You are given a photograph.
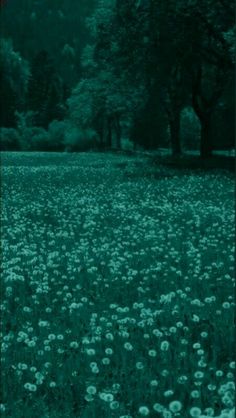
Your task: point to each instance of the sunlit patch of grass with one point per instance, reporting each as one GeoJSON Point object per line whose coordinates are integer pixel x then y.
{"type": "Point", "coordinates": [117, 291]}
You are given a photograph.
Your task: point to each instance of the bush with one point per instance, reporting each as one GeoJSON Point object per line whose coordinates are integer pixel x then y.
{"type": "Point", "coordinates": [127, 145]}
{"type": "Point", "coordinates": [77, 139]}
{"type": "Point", "coordinates": [56, 131]}
{"type": "Point", "coordinates": [41, 140]}
{"type": "Point", "coordinates": [34, 139]}
{"type": "Point", "coordinates": [9, 139]}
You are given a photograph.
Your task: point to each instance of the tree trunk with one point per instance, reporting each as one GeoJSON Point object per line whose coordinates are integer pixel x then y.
{"type": "Point", "coordinates": [118, 133]}
{"type": "Point", "coordinates": [109, 132]}
{"type": "Point", "coordinates": [175, 135]}
{"type": "Point", "coordinates": [206, 143]}
{"type": "Point", "coordinates": [100, 128]}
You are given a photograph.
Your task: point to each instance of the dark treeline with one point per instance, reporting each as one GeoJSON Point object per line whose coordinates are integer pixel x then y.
{"type": "Point", "coordinates": [143, 74]}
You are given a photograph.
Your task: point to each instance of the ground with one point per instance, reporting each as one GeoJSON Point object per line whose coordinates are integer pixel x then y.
{"type": "Point", "coordinates": [117, 290]}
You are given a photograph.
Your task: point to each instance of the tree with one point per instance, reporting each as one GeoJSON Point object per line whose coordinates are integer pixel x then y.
{"type": "Point", "coordinates": [36, 25]}
{"type": "Point", "coordinates": [211, 61]}
{"type": "Point", "coordinates": [106, 95]}
{"type": "Point", "coordinates": [45, 91]}
{"type": "Point", "coordinates": [14, 77]}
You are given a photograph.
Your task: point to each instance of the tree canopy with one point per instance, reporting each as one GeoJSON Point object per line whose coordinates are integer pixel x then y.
{"type": "Point", "coordinates": [133, 63]}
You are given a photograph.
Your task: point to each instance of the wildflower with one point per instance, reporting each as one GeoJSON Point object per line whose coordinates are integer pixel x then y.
{"type": "Point", "coordinates": [139, 365]}
{"type": "Point", "coordinates": [109, 336]}
{"type": "Point", "coordinates": [43, 324]}
{"type": "Point", "coordinates": [114, 405]}
{"type": "Point", "coordinates": [154, 383]}
{"type": "Point", "coordinates": [91, 352]}
{"type": "Point", "coordinates": [168, 393]}
{"type": "Point", "coordinates": [165, 346]}
{"type": "Point", "coordinates": [116, 387]}
{"type": "Point", "coordinates": [227, 400]}
{"type": "Point", "coordinates": [125, 416]}
{"type": "Point", "coordinates": [195, 394]}
{"type": "Point", "coordinates": [219, 373]}
{"type": "Point", "coordinates": [196, 346]}
{"type": "Point", "coordinates": [175, 406]}
{"type": "Point", "coordinates": [91, 390]}
{"type": "Point", "coordinates": [2, 407]}
{"type": "Point", "coordinates": [52, 384]}
{"type": "Point", "coordinates": [158, 407]}
{"type": "Point", "coordinates": [108, 397]}
{"type": "Point", "coordinates": [209, 412]}
{"type": "Point", "coordinates": [30, 387]}
{"type": "Point", "coordinates": [22, 366]}
{"type": "Point", "coordinates": [198, 375]}
{"type": "Point", "coordinates": [51, 337]}
{"type": "Point", "coordinates": [144, 411]}
{"type": "Point", "coordinates": [47, 348]}
{"type": "Point", "coordinates": [128, 346]}
{"type": "Point", "coordinates": [31, 344]}
{"type": "Point", "coordinates": [74, 344]}
{"type": "Point", "coordinates": [211, 387]}
{"type": "Point", "coordinates": [93, 364]}
{"type": "Point", "coordinates": [165, 373]}
{"type": "Point", "coordinates": [230, 385]}
{"type": "Point", "coordinates": [173, 330]}
{"type": "Point", "coordinates": [157, 333]}
{"type": "Point", "coordinates": [202, 363]}
{"type": "Point", "coordinates": [152, 353]}
{"type": "Point", "coordinates": [109, 351]}
{"type": "Point", "coordinates": [88, 397]}
{"type": "Point", "coordinates": [27, 309]}
{"type": "Point", "coordinates": [106, 361]}
{"type": "Point", "coordinates": [195, 412]}
{"type": "Point", "coordinates": [39, 376]}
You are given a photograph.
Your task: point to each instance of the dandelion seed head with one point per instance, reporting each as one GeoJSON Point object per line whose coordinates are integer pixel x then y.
{"type": "Point", "coordinates": [144, 411]}
{"type": "Point", "coordinates": [195, 412]}
{"type": "Point", "coordinates": [91, 390]}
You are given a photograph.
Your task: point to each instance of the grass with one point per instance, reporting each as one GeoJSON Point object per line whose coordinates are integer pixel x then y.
{"type": "Point", "coordinates": [117, 292]}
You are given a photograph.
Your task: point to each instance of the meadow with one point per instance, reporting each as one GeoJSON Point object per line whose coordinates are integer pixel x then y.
{"type": "Point", "coordinates": [117, 291]}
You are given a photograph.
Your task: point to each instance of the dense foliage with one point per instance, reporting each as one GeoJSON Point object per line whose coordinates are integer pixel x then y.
{"type": "Point", "coordinates": [125, 70]}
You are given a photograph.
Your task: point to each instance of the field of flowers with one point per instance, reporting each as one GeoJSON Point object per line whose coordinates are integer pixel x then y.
{"type": "Point", "coordinates": [117, 293]}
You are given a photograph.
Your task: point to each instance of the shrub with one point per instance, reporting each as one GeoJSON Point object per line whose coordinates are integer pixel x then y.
{"type": "Point", "coordinates": [56, 131]}
{"type": "Point", "coordinates": [37, 138]}
{"type": "Point", "coordinates": [34, 139]}
{"type": "Point", "coordinates": [9, 139]}
{"type": "Point", "coordinates": [77, 139]}
{"type": "Point", "coordinates": [40, 140]}
{"type": "Point", "coordinates": [127, 145]}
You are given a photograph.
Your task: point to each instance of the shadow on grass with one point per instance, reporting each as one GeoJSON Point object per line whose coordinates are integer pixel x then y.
{"type": "Point", "coordinates": [187, 162]}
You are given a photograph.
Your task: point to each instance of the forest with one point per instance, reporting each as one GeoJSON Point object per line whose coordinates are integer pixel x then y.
{"type": "Point", "coordinates": [117, 74]}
